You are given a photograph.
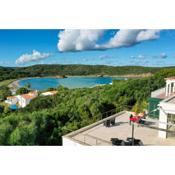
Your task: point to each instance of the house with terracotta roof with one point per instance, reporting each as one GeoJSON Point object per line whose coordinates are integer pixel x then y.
{"type": "Point", "coordinates": [11, 100]}
{"type": "Point", "coordinates": [25, 99]}
{"type": "Point", "coordinates": [162, 106]}
{"type": "Point", "coordinates": [22, 100]}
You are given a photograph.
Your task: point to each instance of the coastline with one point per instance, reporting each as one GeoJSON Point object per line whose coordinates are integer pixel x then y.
{"type": "Point", "coordinates": [15, 84]}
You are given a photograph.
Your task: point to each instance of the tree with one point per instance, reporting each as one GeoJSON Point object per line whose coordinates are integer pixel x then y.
{"type": "Point", "coordinates": [22, 90]}
{"type": "Point", "coordinates": [1, 109]}
{"type": "Point", "coordinates": [28, 86]}
{"type": "Point", "coordinates": [5, 131]}
{"type": "Point", "coordinates": [46, 119]}
{"type": "Point", "coordinates": [4, 108]}
{"type": "Point", "coordinates": [51, 89]}
{"type": "Point", "coordinates": [23, 135]}
{"type": "Point", "coordinates": [4, 92]}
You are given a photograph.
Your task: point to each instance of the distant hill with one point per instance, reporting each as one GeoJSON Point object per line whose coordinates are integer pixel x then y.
{"type": "Point", "coordinates": [56, 69]}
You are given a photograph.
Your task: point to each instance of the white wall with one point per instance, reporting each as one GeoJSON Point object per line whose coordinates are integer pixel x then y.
{"type": "Point", "coordinates": [46, 94]}
{"type": "Point", "coordinates": [162, 118]}
{"type": "Point", "coordinates": [23, 102]}
{"type": "Point", "coordinates": [69, 142]}
{"type": "Point", "coordinates": [11, 101]}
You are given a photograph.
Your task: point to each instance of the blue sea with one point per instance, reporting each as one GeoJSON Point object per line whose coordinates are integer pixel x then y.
{"type": "Point", "coordinates": [70, 82]}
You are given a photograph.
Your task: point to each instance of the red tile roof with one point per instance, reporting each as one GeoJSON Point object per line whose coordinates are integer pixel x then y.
{"type": "Point", "coordinates": [11, 97]}
{"type": "Point", "coordinates": [28, 96]}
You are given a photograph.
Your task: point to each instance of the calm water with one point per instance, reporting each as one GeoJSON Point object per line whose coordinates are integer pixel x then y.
{"type": "Point", "coordinates": [70, 82]}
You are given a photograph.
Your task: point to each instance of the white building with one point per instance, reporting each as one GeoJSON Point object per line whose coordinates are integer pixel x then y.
{"type": "Point", "coordinates": [166, 107]}
{"type": "Point", "coordinates": [49, 93]}
{"type": "Point", "coordinates": [11, 100]}
{"type": "Point", "coordinates": [22, 100]}
{"type": "Point", "coordinates": [25, 99]}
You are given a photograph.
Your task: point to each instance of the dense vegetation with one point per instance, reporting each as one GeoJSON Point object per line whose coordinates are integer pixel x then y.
{"type": "Point", "coordinates": [4, 92]}
{"type": "Point", "coordinates": [46, 119]}
{"type": "Point", "coordinates": [22, 90]}
{"type": "Point", "coordinates": [52, 70]}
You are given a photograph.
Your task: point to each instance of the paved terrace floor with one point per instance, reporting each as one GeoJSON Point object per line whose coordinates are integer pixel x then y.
{"type": "Point", "coordinates": [101, 135]}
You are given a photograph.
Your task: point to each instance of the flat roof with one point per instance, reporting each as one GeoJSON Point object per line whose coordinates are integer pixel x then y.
{"type": "Point", "coordinates": [100, 135]}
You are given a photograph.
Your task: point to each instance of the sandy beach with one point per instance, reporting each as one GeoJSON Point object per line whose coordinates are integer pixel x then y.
{"type": "Point", "coordinates": [14, 85]}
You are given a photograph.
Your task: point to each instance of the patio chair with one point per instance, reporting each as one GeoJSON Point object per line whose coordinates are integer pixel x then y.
{"type": "Point", "coordinates": [107, 123]}
{"type": "Point", "coordinates": [137, 142]}
{"type": "Point", "coordinates": [117, 142]}
{"type": "Point", "coordinates": [113, 122]}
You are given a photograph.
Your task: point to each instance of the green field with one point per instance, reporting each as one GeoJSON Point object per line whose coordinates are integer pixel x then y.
{"type": "Point", "coordinates": [6, 82]}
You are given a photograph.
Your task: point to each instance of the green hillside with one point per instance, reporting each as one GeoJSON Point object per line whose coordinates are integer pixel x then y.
{"type": "Point", "coordinates": [53, 70]}
{"type": "Point", "coordinates": [46, 119]}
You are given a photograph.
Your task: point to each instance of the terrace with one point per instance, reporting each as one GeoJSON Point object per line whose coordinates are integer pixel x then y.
{"type": "Point", "coordinates": [100, 135]}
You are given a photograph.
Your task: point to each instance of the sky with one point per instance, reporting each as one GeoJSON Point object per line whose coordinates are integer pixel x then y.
{"type": "Point", "coordinates": [118, 47]}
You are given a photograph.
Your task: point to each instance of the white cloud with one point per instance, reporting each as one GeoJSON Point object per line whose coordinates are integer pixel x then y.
{"type": "Point", "coordinates": [79, 40]}
{"type": "Point", "coordinates": [123, 38]}
{"type": "Point", "coordinates": [35, 56]}
{"type": "Point", "coordinates": [148, 35]}
{"type": "Point", "coordinates": [126, 38]}
{"type": "Point", "coordinates": [163, 55]}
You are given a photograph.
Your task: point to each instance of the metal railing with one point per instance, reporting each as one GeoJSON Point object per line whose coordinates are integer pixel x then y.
{"type": "Point", "coordinates": [94, 140]}
{"type": "Point", "coordinates": [114, 115]}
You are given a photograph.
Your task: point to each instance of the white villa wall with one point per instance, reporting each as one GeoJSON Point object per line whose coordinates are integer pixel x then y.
{"type": "Point", "coordinates": [69, 142]}
{"type": "Point", "coordinates": [170, 86]}
{"type": "Point", "coordinates": [163, 120]}
{"type": "Point", "coordinates": [22, 101]}
{"type": "Point", "coordinates": [11, 101]}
